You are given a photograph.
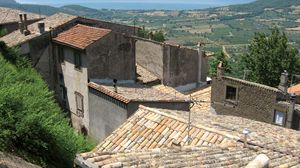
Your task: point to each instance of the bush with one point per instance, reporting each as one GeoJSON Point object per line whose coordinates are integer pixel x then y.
{"type": "Point", "coordinates": [31, 123]}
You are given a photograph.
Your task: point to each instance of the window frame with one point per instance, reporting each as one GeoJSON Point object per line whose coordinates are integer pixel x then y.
{"type": "Point", "coordinates": [61, 54]}
{"type": "Point", "coordinates": [275, 117]}
{"type": "Point", "coordinates": [77, 59]}
{"type": "Point", "coordinates": [236, 93]}
{"type": "Point", "coordinates": [79, 97]}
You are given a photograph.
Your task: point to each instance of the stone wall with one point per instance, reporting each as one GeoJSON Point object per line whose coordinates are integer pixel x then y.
{"type": "Point", "coordinates": [180, 66]}
{"type": "Point", "coordinates": [118, 28]}
{"type": "Point", "coordinates": [12, 26]}
{"type": "Point", "coordinates": [75, 80]}
{"type": "Point", "coordinates": [175, 66]}
{"type": "Point", "coordinates": [253, 101]}
{"type": "Point", "coordinates": [106, 115]}
{"type": "Point", "coordinates": [112, 57]}
{"type": "Point", "coordinates": [149, 55]}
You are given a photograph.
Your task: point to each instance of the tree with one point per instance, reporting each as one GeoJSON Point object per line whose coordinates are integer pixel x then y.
{"type": "Point", "coordinates": [268, 56]}
{"type": "Point", "coordinates": [216, 60]}
{"type": "Point", "coordinates": [156, 36]}
{"type": "Point", "coordinates": [159, 36]}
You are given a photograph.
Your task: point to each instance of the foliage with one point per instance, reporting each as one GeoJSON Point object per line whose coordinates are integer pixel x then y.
{"type": "Point", "coordinates": [268, 56]}
{"type": "Point", "coordinates": [31, 123]}
{"type": "Point", "coordinates": [3, 32]}
{"type": "Point", "coordinates": [156, 36]}
{"type": "Point", "coordinates": [214, 62]}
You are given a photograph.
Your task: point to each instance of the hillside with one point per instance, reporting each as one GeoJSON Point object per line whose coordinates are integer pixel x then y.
{"type": "Point", "coordinates": [31, 122]}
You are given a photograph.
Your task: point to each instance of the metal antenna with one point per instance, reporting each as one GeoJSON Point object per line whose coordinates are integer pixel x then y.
{"type": "Point", "coordinates": [189, 138]}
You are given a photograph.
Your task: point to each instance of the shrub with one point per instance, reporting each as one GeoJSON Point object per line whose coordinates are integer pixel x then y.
{"type": "Point", "coordinates": [31, 123]}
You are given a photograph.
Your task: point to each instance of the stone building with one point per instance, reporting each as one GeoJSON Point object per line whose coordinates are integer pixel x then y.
{"type": "Point", "coordinates": [170, 138]}
{"type": "Point", "coordinates": [68, 51]}
{"type": "Point", "coordinates": [10, 19]}
{"type": "Point", "coordinates": [83, 54]}
{"type": "Point", "coordinates": [110, 106]}
{"type": "Point", "coordinates": [175, 65]}
{"type": "Point", "coordinates": [231, 96]}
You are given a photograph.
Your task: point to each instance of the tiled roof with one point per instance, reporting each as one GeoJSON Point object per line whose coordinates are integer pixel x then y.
{"type": "Point", "coordinates": [16, 38]}
{"type": "Point", "coordinates": [188, 156]}
{"type": "Point", "coordinates": [136, 93]}
{"type": "Point", "coordinates": [251, 84]}
{"type": "Point", "coordinates": [81, 36]}
{"type": "Point", "coordinates": [145, 76]}
{"type": "Point", "coordinates": [201, 99]}
{"type": "Point", "coordinates": [135, 143]}
{"type": "Point", "coordinates": [9, 15]}
{"type": "Point", "coordinates": [149, 129]}
{"type": "Point", "coordinates": [262, 134]}
{"type": "Point", "coordinates": [295, 89]}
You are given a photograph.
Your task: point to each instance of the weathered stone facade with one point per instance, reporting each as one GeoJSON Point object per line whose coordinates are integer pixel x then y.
{"type": "Point", "coordinates": [107, 113]}
{"type": "Point", "coordinates": [251, 100]}
{"type": "Point", "coordinates": [175, 66]}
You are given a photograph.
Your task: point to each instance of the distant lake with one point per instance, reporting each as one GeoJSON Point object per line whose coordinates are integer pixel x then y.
{"type": "Point", "coordinates": [143, 6]}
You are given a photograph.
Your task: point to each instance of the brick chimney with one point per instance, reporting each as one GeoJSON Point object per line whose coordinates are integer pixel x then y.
{"type": "Point", "coordinates": [26, 31]}
{"type": "Point", "coordinates": [283, 86]}
{"type": "Point", "coordinates": [220, 70]}
{"type": "Point", "coordinates": [21, 23]}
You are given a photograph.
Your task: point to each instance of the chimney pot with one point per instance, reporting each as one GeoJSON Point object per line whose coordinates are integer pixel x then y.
{"type": "Point", "coordinates": [220, 70]}
{"type": "Point", "coordinates": [21, 23]}
{"type": "Point", "coordinates": [26, 31]}
{"type": "Point", "coordinates": [283, 86]}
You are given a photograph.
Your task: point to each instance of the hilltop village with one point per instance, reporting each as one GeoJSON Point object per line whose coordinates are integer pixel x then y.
{"type": "Point", "coordinates": [152, 104]}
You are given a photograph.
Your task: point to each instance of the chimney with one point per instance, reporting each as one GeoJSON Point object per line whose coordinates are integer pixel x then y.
{"type": "Point", "coordinates": [41, 26]}
{"type": "Point", "coordinates": [26, 31]}
{"type": "Point", "coordinates": [291, 110]}
{"type": "Point", "coordinates": [261, 161]}
{"type": "Point", "coordinates": [115, 85]}
{"type": "Point", "coordinates": [21, 23]}
{"type": "Point", "coordinates": [220, 70]}
{"type": "Point", "coordinates": [283, 86]}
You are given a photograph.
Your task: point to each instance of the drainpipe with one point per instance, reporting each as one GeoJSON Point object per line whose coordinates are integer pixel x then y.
{"type": "Point", "coordinates": [200, 60]}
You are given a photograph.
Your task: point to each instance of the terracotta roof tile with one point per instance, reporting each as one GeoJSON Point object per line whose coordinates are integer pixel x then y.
{"type": "Point", "coordinates": [16, 38]}
{"type": "Point", "coordinates": [220, 138]}
{"type": "Point", "coordinates": [81, 36]}
{"type": "Point", "coordinates": [137, 93]}
{"type": "Point", "coordinates": [9, 15]}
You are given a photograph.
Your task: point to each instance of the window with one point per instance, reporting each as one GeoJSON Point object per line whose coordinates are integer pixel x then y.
{"type": "Point", "coordinates": [231, 93]}
{"type": "Point", "coordinates": [77, 59]}
{"type": "Point", "coordinates": [61, 54]}
{"type": "Point", "coordinates": [63, 92]}
{"type": "Point", "coordinates": [278, 118]}
{"type": "Point", "coordinates": [61, 78]}
{"type": "Point", "coordinates": [63, 96]}
{"type": "Point", "coordinates": [79, 104]}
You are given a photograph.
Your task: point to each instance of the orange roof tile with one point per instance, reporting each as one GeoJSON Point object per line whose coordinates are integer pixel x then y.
{"type": "Point", "coordinates": [81, 36]}
{"type": "Point", "coordinates": [295, 89]}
